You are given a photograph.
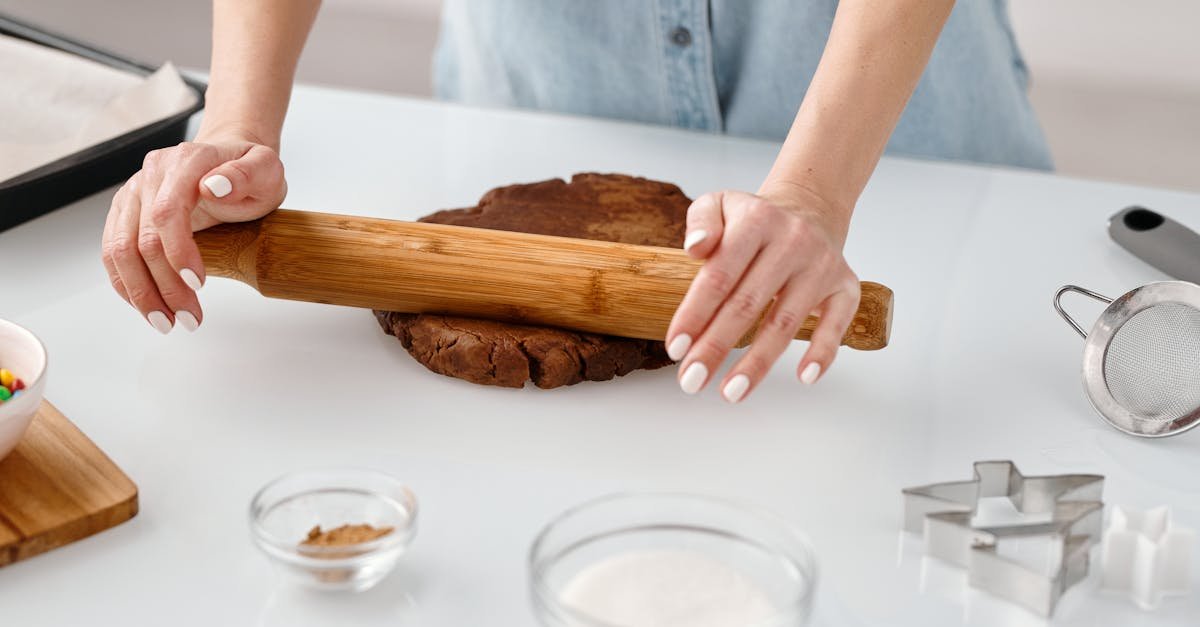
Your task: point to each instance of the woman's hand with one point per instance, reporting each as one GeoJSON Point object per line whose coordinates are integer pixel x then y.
{"type": "Point", "coordinates": [147, 247]}
{"type": "Point", "coordinates": [776, 250]}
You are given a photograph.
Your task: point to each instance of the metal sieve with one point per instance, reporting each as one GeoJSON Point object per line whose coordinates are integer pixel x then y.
{"type": "Point", "coordinates": [1141, 361]}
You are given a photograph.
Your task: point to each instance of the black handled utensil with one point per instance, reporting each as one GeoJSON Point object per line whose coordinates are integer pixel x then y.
{"type": "Point", "coordinates": [1159, 241]}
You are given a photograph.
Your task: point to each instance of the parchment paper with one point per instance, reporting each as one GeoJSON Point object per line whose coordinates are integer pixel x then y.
{"type": "Point", "coordinates": [53, 104]}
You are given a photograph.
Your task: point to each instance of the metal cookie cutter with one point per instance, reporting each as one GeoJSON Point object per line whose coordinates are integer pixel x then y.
{"type": "Point", "coordinates": [943, 513]}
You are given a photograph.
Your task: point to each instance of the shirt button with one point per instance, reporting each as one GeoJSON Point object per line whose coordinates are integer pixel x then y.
{"type": "Point", "coordinates": [681, 37]}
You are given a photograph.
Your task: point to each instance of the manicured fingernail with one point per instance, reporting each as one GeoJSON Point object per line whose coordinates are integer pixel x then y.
{"type": "Point", "coordinates": [679, 346]}
{"type": "Point", "coordinates": [810, 373]}
{"type": "Point", "coordinates": [693, 378]}
{"type": "Point", "coordinates": [186, 320]}
{"type": "Point", "coordinates": [159, 321]}
{"type": "Point", "coordinates": [693, 238]}
{"type": "Point", "coordinates": [736, 388]}
{"type": "Point", "coordinates": [190, 279]}
{"type": "Point", "coordinates": [218, 185]}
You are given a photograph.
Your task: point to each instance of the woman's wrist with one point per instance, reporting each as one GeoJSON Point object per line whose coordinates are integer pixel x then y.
{"type": "Point", "coordinates": [230, 131]}
{"type": "Point", "coordinates": [825, 207]}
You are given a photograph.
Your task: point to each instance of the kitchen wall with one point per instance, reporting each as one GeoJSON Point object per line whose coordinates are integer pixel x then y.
{"type": "Point", "coordinates": [1117, 86]}
{"type": "Point", "coordinates": [1116, 83]}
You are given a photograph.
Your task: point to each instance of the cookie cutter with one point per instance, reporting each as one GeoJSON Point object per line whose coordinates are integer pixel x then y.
{"type": "Point", "coordinates": [1146, 556]}
{"type": "Point", "coordinates": [943, 512]}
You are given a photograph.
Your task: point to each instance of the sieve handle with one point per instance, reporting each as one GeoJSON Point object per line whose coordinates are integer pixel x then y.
{"type": "Point", "coordinates": [1066, 316]}
{"type": "Point", "coordinates": [1159, 241]}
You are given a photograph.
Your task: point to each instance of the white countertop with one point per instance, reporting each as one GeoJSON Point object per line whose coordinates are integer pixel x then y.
{"type": "Point", "coordinates": [980, 368]}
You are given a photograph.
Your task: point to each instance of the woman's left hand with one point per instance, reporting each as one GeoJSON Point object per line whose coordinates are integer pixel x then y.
{"type": "Point", "coordinates": [776, 250]}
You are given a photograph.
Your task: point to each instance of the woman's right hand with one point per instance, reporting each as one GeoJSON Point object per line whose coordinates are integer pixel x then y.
{"type": "Point", "coordinates": [148, 249]}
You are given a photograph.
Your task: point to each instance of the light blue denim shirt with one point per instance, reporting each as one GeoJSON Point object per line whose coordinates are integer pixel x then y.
{"type": "Point", "coordinates": [733, 66]}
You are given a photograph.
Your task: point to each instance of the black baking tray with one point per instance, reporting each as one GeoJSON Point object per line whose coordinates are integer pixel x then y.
{"type": "Point", "coordinates": [70, 178]}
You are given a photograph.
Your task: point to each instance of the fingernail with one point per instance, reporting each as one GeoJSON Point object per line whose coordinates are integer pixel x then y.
{"type": "Point", "coordinates": [736, 388]}
{"type": "Point", "coordinates": [186, 320]}
{"type": "Point", "coordinates": [679, 346]}
{"type": "Point", "coordinates": [693, 378]}
{"type": "Point", "coordinates": [190, 279]}
{"type": "Point", "coordinates": [159, 321]}
{"type": "Point", "coordinates": [218, 185]}
{"type": "Point", "coordinates": [810, 373]}
{"type": "Point", "coordinates": [693, 238]}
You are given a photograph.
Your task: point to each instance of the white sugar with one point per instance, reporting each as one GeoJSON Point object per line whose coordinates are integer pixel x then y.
{"type": "Point", "coordinates": [667, 588]}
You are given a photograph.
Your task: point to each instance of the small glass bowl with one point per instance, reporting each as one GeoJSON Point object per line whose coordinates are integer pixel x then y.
{"type": "Point", "coordinates": [283, 512]}
{"type": "Point", "coordinates": [762, 556]}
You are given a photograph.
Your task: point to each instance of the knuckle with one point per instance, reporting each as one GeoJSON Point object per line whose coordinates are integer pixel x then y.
{"type": "Point", "coordinates": [117, 283]}
{"type": "Point", "coordinates": [162, 210]}
{"type": "Point", "coordinates": [853, 286]}
{"type": "Point", "coordinates": [172, 294]}
{"type": "Point", "coordinates": [706, 200]}
{"type": "Point", "coordinates": [757, 210]}
{"type": "Point", "coordinates": [119, 197]}
{"type": "Point", "coordinates": [745, 305]}
{"type": "Point", "coordinates": [120, 247]}
{"type": "Point", "coordinates": [149, 244]}
{"type": "Point", "coordinates": [717, 280]}
{"type": "Point", "coordinates": [141, 295]}
{"type": "Point", "coordinates": [240, 168]}
{"type": "Point", "coordinates": [797, 231]}
{"type": "Point", "coordinates": [108, 252]}
{"type": "Point", "coordinates": [274, 170]}
{"type": "Point", "coordinates": [784, 320]}
{"type": "Point", "coordinates": [152, 159]}
{"type": "Point", "coordinates": [201, 151]}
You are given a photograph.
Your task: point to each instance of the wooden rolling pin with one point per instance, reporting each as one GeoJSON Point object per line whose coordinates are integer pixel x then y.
{"type": "Point", "coordinates": [414, 267]}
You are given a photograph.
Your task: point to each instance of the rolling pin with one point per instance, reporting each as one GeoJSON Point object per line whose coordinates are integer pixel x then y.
{"type": "Point", "coordinates": [414, 267]}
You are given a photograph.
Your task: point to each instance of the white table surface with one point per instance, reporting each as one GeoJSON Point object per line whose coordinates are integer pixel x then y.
{"type": "Point", "coordinates": [980, 368]}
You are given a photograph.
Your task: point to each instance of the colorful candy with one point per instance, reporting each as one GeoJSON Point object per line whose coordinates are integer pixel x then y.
{"type": "Point", "coordinates": [10, 385]}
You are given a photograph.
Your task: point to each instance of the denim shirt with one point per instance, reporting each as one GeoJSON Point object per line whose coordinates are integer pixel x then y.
{"type": "Point", "coordinates": [733, 66]}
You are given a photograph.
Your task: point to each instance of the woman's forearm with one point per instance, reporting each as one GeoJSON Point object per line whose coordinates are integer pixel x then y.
{"type": "Point", "coordinates": [256, 45]}
{"type": "Point", "coordinates": [875, 55]}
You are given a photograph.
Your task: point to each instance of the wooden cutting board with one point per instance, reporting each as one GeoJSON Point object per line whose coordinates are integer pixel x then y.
{"type": "Point", "coordinates": [57, 487]}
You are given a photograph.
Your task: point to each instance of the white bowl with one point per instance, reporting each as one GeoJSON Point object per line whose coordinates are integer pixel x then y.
{"type": "Point", "coordinates": [23, 354]}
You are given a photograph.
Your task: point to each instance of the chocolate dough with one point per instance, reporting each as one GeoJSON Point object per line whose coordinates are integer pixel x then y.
{"type": "Point", "coordinates": [608, 207]}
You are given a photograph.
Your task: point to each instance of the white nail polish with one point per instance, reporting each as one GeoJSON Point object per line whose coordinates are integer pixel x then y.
{"type": "Point", "coordinates": [693, 378]}
{"type": "Point", "coordinates": [810, 373]}
{"type": "Point", "coordinates": [218, 185]}
{"type": "Point", "coordinates": [159, 321]}
{"type": "Point", "coordinates": [679, 346]}
{"type": "Point", "coordinates": [190, 279]}
{"type": "Point", "coordinates": [693, 238]}
{"type": "Point", "coordinates": [736, 388]}
{"type": "Point", "coordinates": [186, 320]}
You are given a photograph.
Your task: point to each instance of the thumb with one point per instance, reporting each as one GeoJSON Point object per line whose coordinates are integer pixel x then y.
{"type": "Point", "coordinates": [257, 175]}
{"type": "Point", "coordinates": [705, 224]}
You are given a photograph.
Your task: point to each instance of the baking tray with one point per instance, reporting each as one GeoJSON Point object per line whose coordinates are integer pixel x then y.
{"type": "Point", "coordinates": [70, 178]}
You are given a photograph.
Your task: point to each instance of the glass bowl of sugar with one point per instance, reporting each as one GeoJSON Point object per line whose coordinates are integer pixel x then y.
{"type": "Point", "coordinates": [667, 560]}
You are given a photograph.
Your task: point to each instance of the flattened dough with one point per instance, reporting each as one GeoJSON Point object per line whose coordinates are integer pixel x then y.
{"type": "Point", "coordinates": [608, 207]}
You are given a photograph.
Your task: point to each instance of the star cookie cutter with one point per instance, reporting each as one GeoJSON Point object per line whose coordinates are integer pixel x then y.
{"type": "Point", "coordinates": [943, 512]}
{"type": "Point", "coordinates": [1146, 556]}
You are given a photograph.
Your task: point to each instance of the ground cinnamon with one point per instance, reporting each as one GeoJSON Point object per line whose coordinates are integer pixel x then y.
{"type": "Point", "coordinates": [345, 535]}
